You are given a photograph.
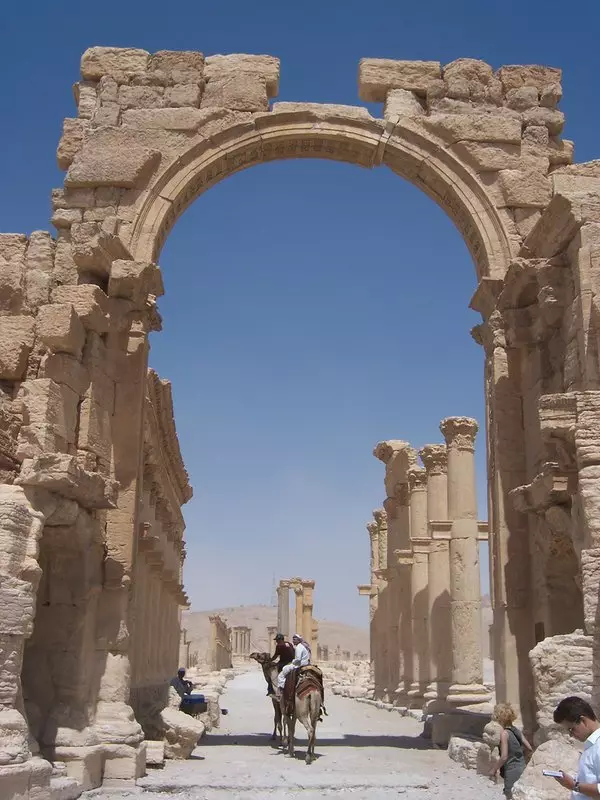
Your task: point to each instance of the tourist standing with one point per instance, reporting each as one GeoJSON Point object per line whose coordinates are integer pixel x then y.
{"type": "Point", "coordinates": [513, 744]}
{"type": "Point", "coordinates": [577, 718]}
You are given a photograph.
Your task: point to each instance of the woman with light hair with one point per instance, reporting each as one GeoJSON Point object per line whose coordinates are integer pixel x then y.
{"type": "Point", "coordinates": [513, 744]}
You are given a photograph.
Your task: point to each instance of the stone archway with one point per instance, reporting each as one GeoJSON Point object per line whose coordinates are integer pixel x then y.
{"type": "Point", "coordinates": [153, 132]}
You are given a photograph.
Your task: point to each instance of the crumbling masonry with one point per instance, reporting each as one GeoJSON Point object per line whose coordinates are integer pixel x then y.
{"type": "Point", "coordinates": [154, 131]}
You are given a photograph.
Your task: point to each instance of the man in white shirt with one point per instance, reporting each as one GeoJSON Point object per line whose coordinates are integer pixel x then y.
{"type": "Point", "coordinates": [301, 659]}
{"type": "Point", "coordinates": [577, 718]}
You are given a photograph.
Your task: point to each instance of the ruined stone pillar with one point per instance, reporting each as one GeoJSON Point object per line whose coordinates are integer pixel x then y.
{"type": "Point", "coordinates": [435, 459]}
{"type": "Point", "coordinates": [299, 592]}
{"type": "Point", "coordinates": [307, 610]}
{"type": "Point", "coordinates": [272, 630]}
{"type": "Point", "coordinates": [315, 636]}
{"type": "Point", "coordinates": [283, 608]}
{"type": "Point", "coordinates": [465, 591]}
{"type": "Point", "coordinates": [417, 482]}
{"type": "Point", "coordinates": [373, 530]}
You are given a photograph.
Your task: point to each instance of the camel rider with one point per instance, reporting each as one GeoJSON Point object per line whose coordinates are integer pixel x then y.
{"type": "Point", "coordinates": [284, 652]}
{"type": "Point", "coordinates": [301, 659]}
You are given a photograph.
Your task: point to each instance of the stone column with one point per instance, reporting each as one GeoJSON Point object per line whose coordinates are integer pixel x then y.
{"type": "Point", "coordinates": [307, 610]}
{"type": "Point", "coordinates": [299, 592]}
{"type": "Point", "coordinates": [417, 482]}
{"type": "Point", "coordinates": [435, 459]}
{"type": "Point", "coordinates": [271, 631]}
{"type": "Point", "coordinates": [315, 636]}
{"type": "Point", "coordinates": [373, 530]}
{"type": "Point", "coordinates": [283, 608]}
{"type": "Point", "coordinates": [465, 591]}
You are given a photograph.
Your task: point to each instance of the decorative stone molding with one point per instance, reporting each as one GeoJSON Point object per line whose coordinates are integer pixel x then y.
{"type": "Point", "coordinates": [434, 458]}
{"type": "Point", "coordinates": [460, 432]}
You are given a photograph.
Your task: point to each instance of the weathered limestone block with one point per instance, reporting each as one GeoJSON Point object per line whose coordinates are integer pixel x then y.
{"type": "Point", "coordinates": [65, 268]}
{"type": "Point", "coordinates": [64, 368]}
{"type": "Point", "coordinates": [49, 417]}
{"type": "Point", "coordinates": [99, 61]}
{"type": "Point", "coordinates": [474, 127]}
{"type": "Point", "coordinates": [402, 103]}
{"type": "Point", "coordinates": [90, 304]}
{"type": "Point", "coordinates": [111, 157]}
{"type": "Point", "coordinates": [559, 223]}
{"type": "Point", "coordinates": [133, 280]}
{"type": "Point", "coordinates": [169, 61]}
{"type": "Point", "coordinates": [84, 764]}
{"type": "Point", "coordinates": [173, 119]}
{"type": "Point", "coordinates": [71, 141]}
{"type": "Point", "coordinates": [470, 753]}
{"type": "Point", "coordinates": [155, 754]}
{"type": "Point", "coordinates": [86, 98]}
{"type": "Point", "coordinates": [376, 76]}
{"type": "Point", "coordinates": [181, 733]}
{"type": "Point", "coordinates": [241, 91]}
{"type": "Point", "coordinates": [470, 80]}
{"type": "Point", "coordinates": [12, 266]}
{"type": "Point", "coordinates": [140, 97]}
{"type": "Point", "coordinates": [551, 118]}
{"type": "Point", "coordinates": [16, 342]}
{"type": "Point", "coordinates": [525, 189]}
{"type": "Point", "coordinates": [30, 780]}
{"type": "Point", "coordinates": [514, 77]}
{"type": "Point", "coordinates": [40, 252]}
{"type": "Point", "coordinates": [523, 98]}
{"type": "Point", "coordinates": [95, 429]}
{"type": "Point", "coordinates": [183, 94]}
{"type": "Point", "coordinates": [562, 666]}
{"type": "Point", "coordinates": [124, 762]}
{"type": "Point", "coordinates": [486, 156]}
{"type": "Point", "coordinates": [62, 474]}
{"type": "Point", "coordinates": [60, 329]}
{"type": "Point", "coordinates": [556, 754]}
{"type": "Point", "coordinates": [265, 67]}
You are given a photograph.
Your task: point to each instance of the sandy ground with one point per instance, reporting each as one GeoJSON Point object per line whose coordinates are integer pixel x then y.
{"type": "Point", "coordinates": [362, 752]}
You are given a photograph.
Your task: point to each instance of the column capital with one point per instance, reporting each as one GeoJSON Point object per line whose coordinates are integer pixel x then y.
{"type": "Point", "coordinates": [380, 517]}
{"type": "Point", "coordinates": [460, 432]}
{"type": "Point", "coordinates": [435, 458]}
{"type": "Point", "coordinates": [417, 479]}
{"type": "Point", "coordinates": [373, 529]}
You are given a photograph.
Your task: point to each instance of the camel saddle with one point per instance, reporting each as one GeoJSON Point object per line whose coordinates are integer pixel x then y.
{"type": "Point", "coordinates": [298, 683]}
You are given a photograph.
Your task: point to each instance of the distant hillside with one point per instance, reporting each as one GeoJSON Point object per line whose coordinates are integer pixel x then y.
{"type": "Point", "coordinates": [259, 618]}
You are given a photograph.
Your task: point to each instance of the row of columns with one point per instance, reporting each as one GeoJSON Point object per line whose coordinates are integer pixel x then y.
{"type": "Point", "coordinates": [425, 595]}
{"type": "Point", "coordinates": [304, 623]}
{"type": "Point", "coordinates": [241, 641]}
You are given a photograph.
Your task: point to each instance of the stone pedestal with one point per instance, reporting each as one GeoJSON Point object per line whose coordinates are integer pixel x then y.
{"type": "Point", "coordinates": [465, 590]}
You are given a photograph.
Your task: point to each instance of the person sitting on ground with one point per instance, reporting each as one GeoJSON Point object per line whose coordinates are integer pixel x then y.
{"type": "Point", "coordinates": [513, 744]}
{"type": "Point", "coordinates": [301, 659]}
{"type": "Point", "coordinates": [192, 704]}
{"type": "Point", "coordinates": [181, 686]}
{"type": "Point", "coordinates": [284, 652]}
{"type": "Point", "coordinates": [577, 718]}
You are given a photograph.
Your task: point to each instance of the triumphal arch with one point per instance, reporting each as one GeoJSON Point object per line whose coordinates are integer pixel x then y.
{"type": "Point", "coordinates": [92, 482]}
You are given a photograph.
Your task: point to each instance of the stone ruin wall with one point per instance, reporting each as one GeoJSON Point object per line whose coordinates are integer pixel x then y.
{"type": "Point", "coordinates": [152, 132]}
{"type": "Point", "coordinates": [220, 649]}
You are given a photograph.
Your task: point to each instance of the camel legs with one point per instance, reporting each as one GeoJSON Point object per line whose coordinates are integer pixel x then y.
{"type": "Point", "coordinates": [291, 729]}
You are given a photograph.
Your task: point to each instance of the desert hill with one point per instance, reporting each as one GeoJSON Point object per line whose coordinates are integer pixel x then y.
{"type": "Point", "coordinates": [259, 618]}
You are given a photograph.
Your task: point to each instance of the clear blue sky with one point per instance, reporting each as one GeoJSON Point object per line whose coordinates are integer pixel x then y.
{"type": "Point", "coordinates": [311, 308]}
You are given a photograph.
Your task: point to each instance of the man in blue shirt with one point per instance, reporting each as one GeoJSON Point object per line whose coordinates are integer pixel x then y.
{"type": "Point", "coordinates": [577, 718]}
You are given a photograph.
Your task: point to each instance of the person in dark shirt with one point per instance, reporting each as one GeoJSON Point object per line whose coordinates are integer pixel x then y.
{"type": "Point", "coordinates": [284, 652]}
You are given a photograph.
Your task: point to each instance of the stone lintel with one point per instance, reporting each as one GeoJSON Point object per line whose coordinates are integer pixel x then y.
{"type": "Point", "coordinates": [367, 590]}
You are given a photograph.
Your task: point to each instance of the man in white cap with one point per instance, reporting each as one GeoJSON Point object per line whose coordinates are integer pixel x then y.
{"type": "Point", "coordinates": [301, 659]}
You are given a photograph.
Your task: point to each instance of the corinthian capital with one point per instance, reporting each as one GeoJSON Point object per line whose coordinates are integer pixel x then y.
{"type": "Point", "coordinates": [417, 478]}
{"type": "Point", "coordinates": [459, 432]}
{"type": "Point", "coordinates": [435, 458]}
{"type": "Point", "coordinates": [380, 517]}
{"type": "Point", "coordinates": [373, 529]}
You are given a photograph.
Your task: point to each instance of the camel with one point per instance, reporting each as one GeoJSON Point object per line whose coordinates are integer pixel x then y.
{"type": "Point", "coordinates": [270, 672]}
{"type": "Point", "coordinates": [306, 708]}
